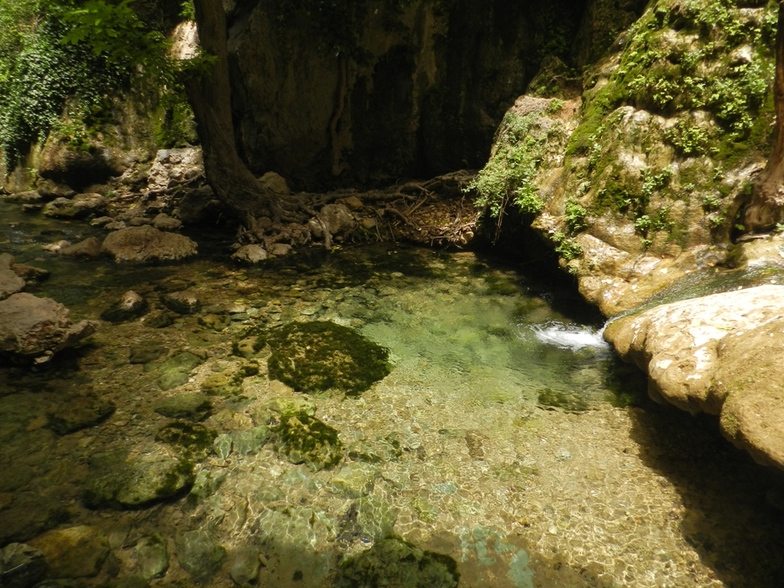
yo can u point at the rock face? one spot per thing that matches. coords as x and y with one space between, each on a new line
719 354
641 182
35 328
146 244
433 83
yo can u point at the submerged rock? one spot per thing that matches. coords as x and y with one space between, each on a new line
152 557
305 439
317 356
29 515
200 554
132 306
79 413
719 354
176 370
119 482
193 406
194 440
36 328
75 552
21 566
395 562
146 244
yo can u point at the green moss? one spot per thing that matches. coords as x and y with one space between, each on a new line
321 355
305 439
392 561
193 439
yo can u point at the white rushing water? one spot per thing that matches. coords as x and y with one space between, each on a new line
570 336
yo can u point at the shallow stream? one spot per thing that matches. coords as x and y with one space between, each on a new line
506 436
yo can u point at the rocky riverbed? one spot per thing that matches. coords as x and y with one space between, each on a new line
501 444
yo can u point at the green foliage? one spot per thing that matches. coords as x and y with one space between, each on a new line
567 247
575 215
40 73
509 176
690 139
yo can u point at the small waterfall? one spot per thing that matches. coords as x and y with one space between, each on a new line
570 336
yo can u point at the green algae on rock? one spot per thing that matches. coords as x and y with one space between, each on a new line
193 439
117 482
393 561
305 439
321 355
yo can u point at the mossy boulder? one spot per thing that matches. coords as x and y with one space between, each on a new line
395 562
305 439
321 355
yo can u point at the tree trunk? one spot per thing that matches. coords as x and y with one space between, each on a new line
767 202
210 97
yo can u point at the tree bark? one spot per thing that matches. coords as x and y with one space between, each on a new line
767 202
210 97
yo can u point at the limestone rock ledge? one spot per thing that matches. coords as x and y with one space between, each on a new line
719 354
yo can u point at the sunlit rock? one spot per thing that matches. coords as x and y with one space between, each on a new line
80 206
36 328
719 354
147 244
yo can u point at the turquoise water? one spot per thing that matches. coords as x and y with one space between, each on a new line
506 435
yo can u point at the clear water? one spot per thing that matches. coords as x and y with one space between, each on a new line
525 451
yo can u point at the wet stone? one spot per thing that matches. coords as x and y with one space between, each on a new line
222 446
354 480
250 441
569 401
395 562
176 370
119 482
75 552
141 354
28 516
158 320
193 440
245 566
181 302
15 476
321 355
193 406
375 517
200 554
152 557
21 566
79 413
228 383
305 439
131 306
206 484
216 322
